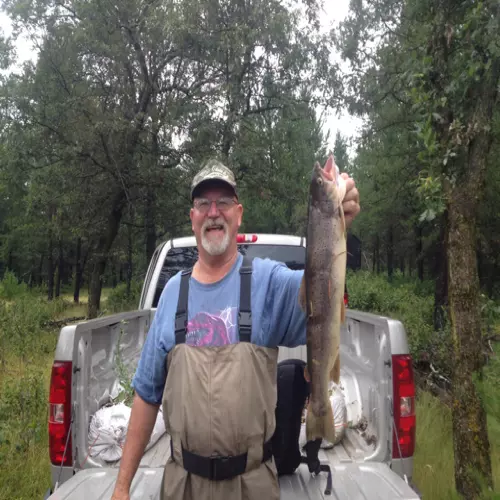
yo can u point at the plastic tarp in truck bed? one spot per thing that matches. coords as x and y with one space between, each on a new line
353 481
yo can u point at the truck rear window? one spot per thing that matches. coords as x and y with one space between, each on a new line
179 259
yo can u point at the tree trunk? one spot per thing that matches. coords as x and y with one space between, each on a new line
441 281
78 271
470 437
113 273
129 260
40 270
470 432
150 215
390 253
100 256
150 225
60 269
374 258
377 253
10 261
50 261
420 256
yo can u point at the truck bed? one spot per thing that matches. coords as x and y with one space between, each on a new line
351 446
353 481
361 463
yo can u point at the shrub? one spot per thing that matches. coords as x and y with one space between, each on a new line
10 288
118 300
405 300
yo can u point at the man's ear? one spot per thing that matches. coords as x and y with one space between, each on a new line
191 214
240 214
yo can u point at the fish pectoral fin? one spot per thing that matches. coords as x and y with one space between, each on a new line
335 373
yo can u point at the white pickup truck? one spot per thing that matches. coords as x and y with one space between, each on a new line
376 379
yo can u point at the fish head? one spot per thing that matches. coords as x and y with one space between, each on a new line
326 186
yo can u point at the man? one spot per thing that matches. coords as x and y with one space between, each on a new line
215 380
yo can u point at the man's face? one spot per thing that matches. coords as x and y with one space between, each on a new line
216 217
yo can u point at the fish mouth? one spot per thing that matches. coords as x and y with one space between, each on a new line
326 176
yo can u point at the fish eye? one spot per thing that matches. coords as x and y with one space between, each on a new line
320 181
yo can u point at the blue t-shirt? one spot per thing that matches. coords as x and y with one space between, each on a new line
277 318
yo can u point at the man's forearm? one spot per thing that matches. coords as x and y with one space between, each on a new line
142 421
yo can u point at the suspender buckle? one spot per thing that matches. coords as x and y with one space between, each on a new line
245 319
180 323
245 325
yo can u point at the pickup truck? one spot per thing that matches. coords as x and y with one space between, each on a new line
374 459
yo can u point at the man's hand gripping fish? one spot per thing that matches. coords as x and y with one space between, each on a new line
322 294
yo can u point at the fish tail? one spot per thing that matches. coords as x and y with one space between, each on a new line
320 426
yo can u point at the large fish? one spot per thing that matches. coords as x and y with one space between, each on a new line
322 294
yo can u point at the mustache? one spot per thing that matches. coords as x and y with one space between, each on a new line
213 223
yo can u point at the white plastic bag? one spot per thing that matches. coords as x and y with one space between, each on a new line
108 430
337 401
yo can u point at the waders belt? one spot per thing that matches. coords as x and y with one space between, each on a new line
217 468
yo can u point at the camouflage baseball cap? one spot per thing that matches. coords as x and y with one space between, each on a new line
213 170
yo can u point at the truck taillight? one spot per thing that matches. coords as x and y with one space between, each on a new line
403 445
246 238
346 300
60 414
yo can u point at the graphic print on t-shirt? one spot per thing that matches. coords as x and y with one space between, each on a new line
212 330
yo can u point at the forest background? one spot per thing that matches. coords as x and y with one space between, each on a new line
102 131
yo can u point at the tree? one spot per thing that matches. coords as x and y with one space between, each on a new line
447 56
128 98
340 152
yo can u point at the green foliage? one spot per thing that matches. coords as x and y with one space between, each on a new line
22 320
489 378
24 471
119 300
125 375
27 347
23 411
433 461
340 152
405 300
10 287
411 302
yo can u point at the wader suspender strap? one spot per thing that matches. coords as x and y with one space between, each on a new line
245 314
181 315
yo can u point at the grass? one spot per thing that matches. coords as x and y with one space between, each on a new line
433 467
80 309
26 357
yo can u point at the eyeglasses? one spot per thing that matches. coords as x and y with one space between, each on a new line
223 204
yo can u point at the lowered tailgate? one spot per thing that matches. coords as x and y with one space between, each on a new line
353 481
